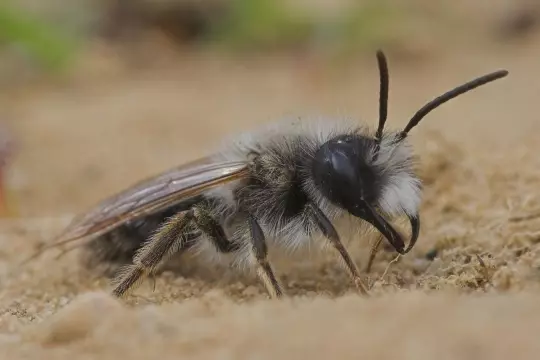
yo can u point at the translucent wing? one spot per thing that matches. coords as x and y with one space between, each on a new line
152 195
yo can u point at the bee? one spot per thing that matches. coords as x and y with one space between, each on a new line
282 187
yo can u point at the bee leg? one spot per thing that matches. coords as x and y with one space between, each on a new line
331 234
373 253
260 251
165 242
213 230
116 249
215 233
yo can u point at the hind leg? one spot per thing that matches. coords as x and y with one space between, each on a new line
165 242
118 247
171 238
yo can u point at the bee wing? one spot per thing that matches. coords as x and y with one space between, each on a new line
151 195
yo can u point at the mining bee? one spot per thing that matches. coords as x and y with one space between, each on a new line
282 186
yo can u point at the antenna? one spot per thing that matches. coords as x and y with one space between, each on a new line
383 93
383 100
433 104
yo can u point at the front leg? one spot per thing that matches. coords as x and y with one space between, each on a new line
328 230
373 253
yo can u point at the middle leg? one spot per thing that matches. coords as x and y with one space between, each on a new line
260 251
215 233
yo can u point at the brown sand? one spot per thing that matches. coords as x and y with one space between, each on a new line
477 300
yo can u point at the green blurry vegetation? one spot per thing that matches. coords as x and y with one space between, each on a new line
251 24
260 24
245 25
46 44
370 24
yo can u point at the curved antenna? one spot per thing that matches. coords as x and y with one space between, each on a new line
433 104
383 93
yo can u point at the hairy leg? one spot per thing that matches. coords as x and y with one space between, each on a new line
165 242
118 247
260 251
208 225
169 239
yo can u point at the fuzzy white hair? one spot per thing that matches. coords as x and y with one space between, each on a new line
401 194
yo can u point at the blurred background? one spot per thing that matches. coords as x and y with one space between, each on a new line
98 94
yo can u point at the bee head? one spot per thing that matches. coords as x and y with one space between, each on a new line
345 172
371 177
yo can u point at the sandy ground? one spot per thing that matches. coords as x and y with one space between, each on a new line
85 140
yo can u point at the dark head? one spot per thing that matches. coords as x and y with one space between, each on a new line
372 176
